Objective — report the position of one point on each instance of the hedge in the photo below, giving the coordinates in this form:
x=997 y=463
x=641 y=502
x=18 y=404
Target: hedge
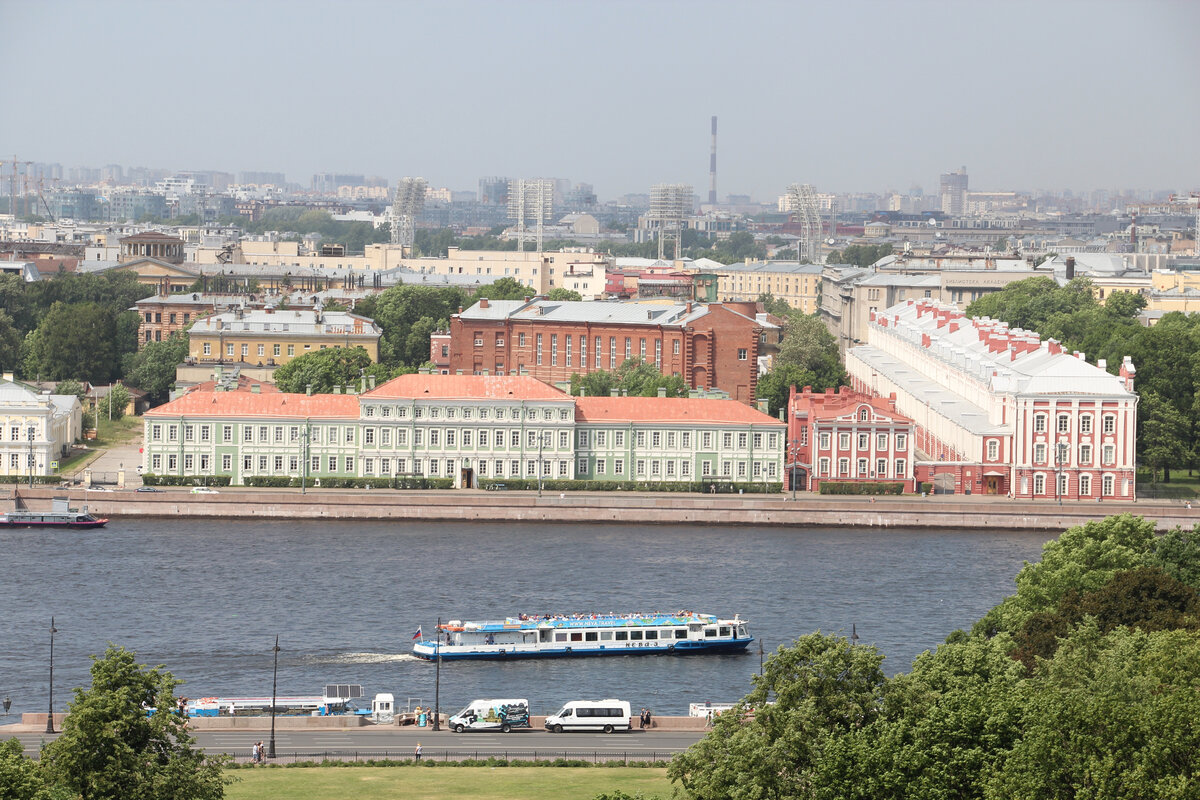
x=325 y=482
x=861 y=487
x=150 y=479
x=36 y=479
x=705 y=487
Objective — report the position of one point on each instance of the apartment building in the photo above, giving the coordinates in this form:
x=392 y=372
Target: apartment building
x=36 y=428
x=273 y=337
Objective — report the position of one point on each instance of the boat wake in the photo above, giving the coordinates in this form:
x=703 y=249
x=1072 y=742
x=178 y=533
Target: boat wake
x=364 y=658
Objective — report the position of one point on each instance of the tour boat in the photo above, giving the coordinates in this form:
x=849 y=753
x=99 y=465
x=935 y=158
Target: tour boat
x=585 y=635
x=50 y=519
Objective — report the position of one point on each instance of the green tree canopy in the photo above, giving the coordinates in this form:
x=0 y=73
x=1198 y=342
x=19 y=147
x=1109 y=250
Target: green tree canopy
x=504 y=289
x=10 y=343
x=809 y=345
x=20 y=778
x=76 y=340
x=152 y=369
x=860 y=255
x=561 y=294
x=406 y=315
x=112 y=749
x=324 y=369
x=634 y=377
x=112 y=406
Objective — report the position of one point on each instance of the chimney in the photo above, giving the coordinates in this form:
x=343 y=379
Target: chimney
x=483 y=302
x=337 y=388
x=308 y=389
x=1070 y=267
x=1128 y=373
x=371 y=381
x=1102 y=364
x=614 y=392
x=255 y=388
x=662 y=391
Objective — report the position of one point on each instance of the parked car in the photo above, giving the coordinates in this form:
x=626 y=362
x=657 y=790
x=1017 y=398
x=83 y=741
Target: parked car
x=148 y=489
x=203 y=490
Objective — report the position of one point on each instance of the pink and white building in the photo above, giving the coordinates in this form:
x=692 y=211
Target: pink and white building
x=996 y=409
x=844 y=435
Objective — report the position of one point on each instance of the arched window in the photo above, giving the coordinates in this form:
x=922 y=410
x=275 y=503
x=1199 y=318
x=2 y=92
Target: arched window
x=863 y=414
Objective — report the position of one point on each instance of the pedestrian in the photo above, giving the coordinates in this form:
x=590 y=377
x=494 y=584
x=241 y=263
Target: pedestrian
x=642 y=719
x=649 y=723
x=256 y=752
x=417 y=752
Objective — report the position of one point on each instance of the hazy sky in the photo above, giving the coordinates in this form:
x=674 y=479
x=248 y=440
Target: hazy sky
x=849 y=96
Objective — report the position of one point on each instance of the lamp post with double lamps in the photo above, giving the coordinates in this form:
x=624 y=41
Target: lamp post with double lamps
x=32 y=434
x=794 y=452
x=274 y=684
x=50 y=715
x=540 y=471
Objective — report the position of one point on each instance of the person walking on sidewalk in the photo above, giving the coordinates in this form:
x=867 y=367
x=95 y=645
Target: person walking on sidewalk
x=417 y=752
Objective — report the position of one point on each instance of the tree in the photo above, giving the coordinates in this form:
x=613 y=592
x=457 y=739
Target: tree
x=111 y=747
x=71 y=386
x=860 y=255
x=504 y=289
x=1177 y=552
x=1084 y=558
x=561 y=294
x=809 y=345
x=325 y=369
x=1113 y=716
x=776 y=386
x=20 y=778
x=771 y=744
x=775 y=305
x=634 y=377
x=1164 y=435
x=398 y=309
x=152 y=369
x=113 y=404
x=10 y=342
x=75 y=341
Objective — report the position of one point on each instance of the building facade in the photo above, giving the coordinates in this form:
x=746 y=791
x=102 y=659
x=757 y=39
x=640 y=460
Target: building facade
x=273 y=337
x=36 y=429
x=715 y=346
x=847 y=436
x=461 y=427
x=997 y=410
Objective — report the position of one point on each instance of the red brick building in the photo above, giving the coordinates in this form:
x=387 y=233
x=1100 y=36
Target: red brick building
x=714 y=346
x=845 y=435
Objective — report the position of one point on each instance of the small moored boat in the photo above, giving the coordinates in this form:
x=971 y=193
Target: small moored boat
x=586 y=635
x=61 y=516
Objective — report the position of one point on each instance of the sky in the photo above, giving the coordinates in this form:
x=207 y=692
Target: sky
x=848 y=95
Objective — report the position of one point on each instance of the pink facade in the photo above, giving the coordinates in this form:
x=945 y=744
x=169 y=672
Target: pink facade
x=847 y=436
x=999 y=411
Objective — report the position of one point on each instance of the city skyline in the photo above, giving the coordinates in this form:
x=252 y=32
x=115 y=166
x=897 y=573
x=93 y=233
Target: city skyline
x=618 y=95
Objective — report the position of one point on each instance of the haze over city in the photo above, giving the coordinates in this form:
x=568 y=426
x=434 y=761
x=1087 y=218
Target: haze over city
x=855 y=96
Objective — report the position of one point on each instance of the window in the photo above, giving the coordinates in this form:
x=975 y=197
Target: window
x=262 y=350
x=612 y=352
x=226 y=463
x=349 y=463
x=275 y=350
x=844 y=467
x=843 y=441
x=538 y=360
x=155 y=433
x=1039 y=484
x=1108 y=484
x=1110 y=454
x=881 y=468
x=1110 y=423
x=291 y=349
x=628 y=348
x=675 y=347
x=189 y=433
x=641 y=466
x=1085 y=484
x=227 y=433
x=901 y=442
x=278 y=463
x=553 y=349
x=1064 y=423
x=262 y=463
x=742 y=440
x=741 y=469
x=881 y=441
x=656 y=439
x=568 y=351
x=1039 y=423
x=901 y=467
x=993 y=450
x=618 y=438
x=654 y=467
x=245 y=351
x=1039 y=453
x=333 y=463
x=208 y=348
x=581 y=466
x=863 y=440
x=1085 y=423
x=247 y=463
x=742 y=354
x=1064 y=481
x=564 y=440
x=520 y=340
x=642 y=350
x=187 y=463
x=757 y=441
x=172 y=463
x=862 y=468
x=1085 y=454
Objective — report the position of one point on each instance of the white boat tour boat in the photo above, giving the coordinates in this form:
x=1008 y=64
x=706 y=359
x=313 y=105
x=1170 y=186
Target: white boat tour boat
x=550 y=636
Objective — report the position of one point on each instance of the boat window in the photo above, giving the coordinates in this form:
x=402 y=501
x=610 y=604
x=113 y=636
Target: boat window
x=635 y=635
x=710 y=631
x=725 y=630
x=590 y=636
x=742 y=630
x=560 y=637
x=622 y=635
x=681 y=633
x=651 y=634
x=606 y=636
x=576 y=637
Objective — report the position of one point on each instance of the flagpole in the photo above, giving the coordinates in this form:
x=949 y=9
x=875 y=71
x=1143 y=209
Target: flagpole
x=437 y=677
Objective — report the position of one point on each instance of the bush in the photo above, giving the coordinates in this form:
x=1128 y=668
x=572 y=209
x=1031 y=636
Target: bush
x=150 y=479
x=862 y=487
x=25 y=479
x=326 y=482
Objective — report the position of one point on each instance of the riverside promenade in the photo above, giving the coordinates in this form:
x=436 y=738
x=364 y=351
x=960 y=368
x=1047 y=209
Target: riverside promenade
x=954 y=512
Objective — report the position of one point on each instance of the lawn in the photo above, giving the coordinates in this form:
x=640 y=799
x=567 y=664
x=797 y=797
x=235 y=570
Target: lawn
x=416 y=783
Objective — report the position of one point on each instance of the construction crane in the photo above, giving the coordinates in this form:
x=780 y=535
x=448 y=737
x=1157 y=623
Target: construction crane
x=42 y=197
x=1193 y=199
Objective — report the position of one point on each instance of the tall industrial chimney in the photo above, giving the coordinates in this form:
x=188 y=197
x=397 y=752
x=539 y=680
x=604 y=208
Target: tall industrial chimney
x=712 y=167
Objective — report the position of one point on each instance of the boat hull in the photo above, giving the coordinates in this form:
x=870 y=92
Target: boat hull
x=428 y=652
x=97 y=523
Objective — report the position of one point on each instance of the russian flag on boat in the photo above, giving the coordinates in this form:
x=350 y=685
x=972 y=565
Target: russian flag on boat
x=417 y=635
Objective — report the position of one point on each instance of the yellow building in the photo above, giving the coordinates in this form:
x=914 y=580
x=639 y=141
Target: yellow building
x=272 y=337
x=798 y=284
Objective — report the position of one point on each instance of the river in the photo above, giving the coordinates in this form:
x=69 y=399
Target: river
x=207 y=598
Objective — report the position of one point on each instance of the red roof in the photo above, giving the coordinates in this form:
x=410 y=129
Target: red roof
x=669 y=409
x=252 y=404
x=243 y=385
x=467 y=387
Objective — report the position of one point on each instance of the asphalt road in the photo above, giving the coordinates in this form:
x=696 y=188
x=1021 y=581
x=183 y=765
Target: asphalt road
x=366 y=743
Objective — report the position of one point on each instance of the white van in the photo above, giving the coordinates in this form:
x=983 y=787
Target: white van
x=486 y=715
x=591 y=715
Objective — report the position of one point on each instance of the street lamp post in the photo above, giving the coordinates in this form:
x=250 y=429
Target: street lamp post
x=795 y=450
x=274 y=684
x=540 y=471
x=437 y=678
x=32 y=434
x=303 y=457
x=50 y=715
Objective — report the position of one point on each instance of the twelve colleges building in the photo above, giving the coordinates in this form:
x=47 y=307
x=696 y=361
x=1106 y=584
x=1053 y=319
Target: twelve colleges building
x=462 y=427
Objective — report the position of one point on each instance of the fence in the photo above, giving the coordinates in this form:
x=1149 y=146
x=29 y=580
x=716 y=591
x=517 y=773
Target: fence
x=447 y=756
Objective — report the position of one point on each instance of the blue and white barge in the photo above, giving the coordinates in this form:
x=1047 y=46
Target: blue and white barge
x=548 y=636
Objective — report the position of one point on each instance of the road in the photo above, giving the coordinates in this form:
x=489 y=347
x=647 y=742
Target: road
x=365 y=743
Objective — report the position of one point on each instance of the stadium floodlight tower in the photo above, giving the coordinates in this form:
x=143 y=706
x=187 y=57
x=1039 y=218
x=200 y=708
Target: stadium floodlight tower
x=670 y=204
x=410 y=199
x=802 y=202
x=530 y=199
